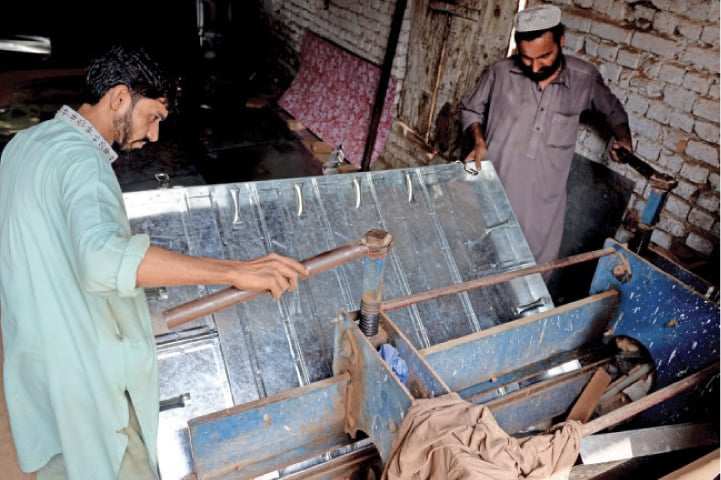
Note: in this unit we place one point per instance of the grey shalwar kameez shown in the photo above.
(531, 135)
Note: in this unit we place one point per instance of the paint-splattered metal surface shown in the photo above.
(677, 326)
(449, 226)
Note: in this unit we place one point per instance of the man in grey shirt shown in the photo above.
(524, 117)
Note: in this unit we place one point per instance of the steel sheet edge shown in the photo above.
(449, 226)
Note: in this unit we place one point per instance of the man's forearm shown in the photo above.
(162, 267)
(477, 134)
(272, 272)
(478, 152)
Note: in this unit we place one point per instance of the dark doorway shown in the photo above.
(597, 199)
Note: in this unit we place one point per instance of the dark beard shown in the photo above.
(123, 130)
(544, 72)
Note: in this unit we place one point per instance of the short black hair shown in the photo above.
(132, 67)
(557, 31)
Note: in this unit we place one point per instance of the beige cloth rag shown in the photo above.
(449, 438)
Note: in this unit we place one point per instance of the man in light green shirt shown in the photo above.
(79, 352)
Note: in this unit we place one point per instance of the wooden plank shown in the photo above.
(536, 406)
(587, 402)
(652, 399)
(704, 468)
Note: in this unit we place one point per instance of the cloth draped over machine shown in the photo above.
(333, 94)
(448, 437)
(237, 381)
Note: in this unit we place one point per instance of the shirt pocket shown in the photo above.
(563, 131)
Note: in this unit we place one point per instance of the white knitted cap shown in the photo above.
(539, 17)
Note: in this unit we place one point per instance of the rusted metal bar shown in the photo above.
(370, 308)
(493, 279)
(232, 296)
(654, 398)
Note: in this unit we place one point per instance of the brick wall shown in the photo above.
(360, 27)
(660, 57)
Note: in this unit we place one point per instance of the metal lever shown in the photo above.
(646, 170)
(231, 296)
(660, 184)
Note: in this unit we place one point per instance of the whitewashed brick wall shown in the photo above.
(660, 57)
(361, 27)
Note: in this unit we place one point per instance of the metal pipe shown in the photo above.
(625, 381)
(493, 279)
(231, 296)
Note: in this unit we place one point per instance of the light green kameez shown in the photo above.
(76, 331)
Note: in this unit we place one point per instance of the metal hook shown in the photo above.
(356, 187)
(236, 206)
(504, 224)
(299, 198)
(409, 187)
(163, 180)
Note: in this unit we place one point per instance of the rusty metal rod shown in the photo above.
(654, 398)
(493, 279)
(231, 296)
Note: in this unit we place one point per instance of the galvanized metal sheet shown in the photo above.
(449, 226)
(614, 446)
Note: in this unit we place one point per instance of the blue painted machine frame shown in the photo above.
(364, 403)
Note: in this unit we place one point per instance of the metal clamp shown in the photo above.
(534, 304)
(468, 168)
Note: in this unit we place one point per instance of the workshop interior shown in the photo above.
(329, 131)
